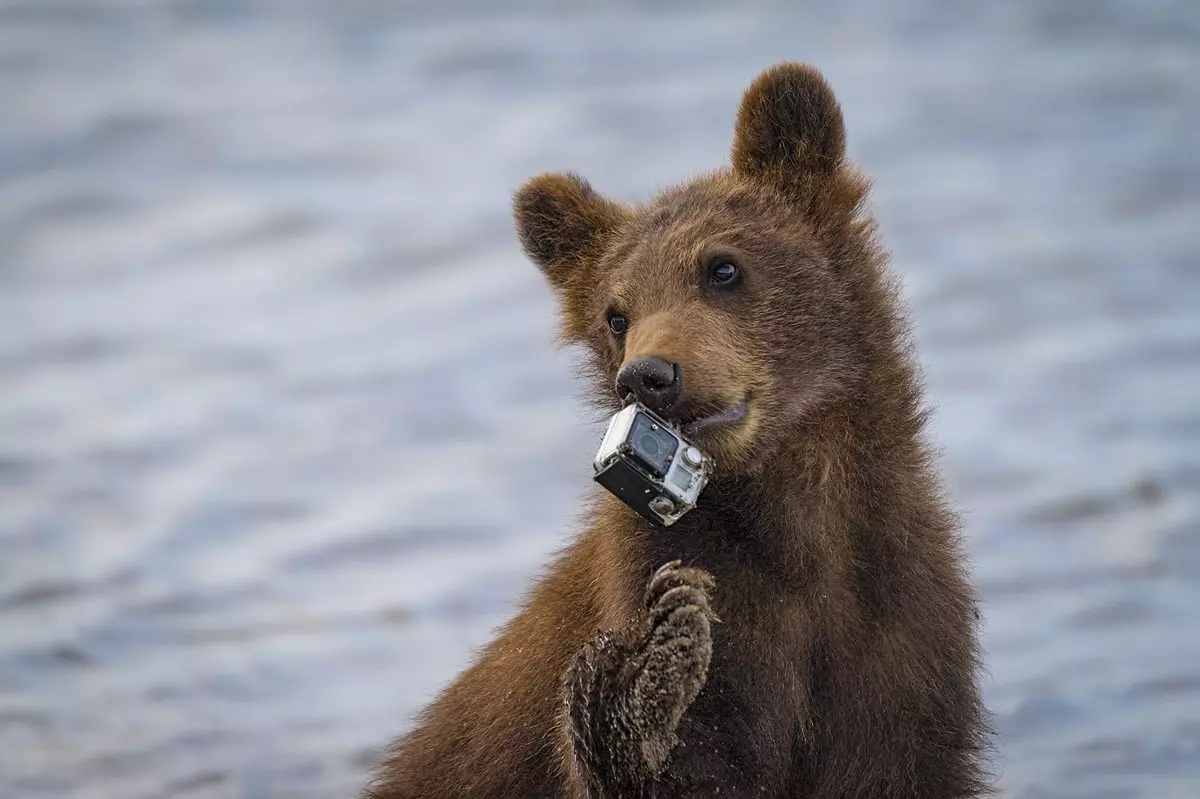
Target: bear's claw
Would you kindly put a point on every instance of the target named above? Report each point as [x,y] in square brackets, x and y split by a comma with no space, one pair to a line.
[674,574]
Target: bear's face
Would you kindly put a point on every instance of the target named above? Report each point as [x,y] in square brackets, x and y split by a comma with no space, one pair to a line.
[721,304]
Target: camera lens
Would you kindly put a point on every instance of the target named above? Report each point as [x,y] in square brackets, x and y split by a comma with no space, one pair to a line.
[653,444]
[650,445]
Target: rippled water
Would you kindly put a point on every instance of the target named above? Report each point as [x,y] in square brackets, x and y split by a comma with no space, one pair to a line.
[282,434]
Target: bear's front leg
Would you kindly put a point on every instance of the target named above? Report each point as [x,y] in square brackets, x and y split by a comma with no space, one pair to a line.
[626,692]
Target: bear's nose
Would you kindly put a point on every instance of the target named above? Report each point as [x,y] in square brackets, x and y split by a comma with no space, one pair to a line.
[653,381]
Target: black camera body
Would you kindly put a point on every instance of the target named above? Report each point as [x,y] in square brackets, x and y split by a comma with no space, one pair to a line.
[650,466]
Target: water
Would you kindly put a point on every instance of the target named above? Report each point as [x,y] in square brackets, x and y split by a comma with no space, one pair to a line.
[283,435]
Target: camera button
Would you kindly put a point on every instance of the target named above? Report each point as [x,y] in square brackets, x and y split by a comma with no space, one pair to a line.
[662,505]
[693,456]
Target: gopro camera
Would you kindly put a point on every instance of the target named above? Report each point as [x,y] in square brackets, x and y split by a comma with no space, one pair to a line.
[650,466]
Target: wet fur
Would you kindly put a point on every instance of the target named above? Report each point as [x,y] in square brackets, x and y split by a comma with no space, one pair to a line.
[845,658]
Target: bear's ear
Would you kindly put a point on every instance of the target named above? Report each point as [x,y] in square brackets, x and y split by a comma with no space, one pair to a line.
[562,223]
[789,126]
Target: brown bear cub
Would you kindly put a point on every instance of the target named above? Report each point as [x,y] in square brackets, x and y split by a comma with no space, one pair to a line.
[808,630]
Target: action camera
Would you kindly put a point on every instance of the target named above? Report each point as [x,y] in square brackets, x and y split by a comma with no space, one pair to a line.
[650,467]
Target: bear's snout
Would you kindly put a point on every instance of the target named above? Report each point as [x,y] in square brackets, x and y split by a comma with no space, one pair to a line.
[651,380]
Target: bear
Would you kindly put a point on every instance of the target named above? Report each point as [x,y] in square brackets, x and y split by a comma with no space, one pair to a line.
[809,628]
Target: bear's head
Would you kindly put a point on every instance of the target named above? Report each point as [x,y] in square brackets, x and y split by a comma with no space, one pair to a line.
[738,305]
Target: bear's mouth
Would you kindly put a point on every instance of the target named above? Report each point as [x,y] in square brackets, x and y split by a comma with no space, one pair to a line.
[730,415]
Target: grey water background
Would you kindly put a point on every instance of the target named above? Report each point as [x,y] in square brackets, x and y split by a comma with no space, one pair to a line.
[283,435]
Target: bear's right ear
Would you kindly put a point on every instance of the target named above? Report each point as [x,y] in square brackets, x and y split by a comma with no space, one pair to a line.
[563,223]
[789,126]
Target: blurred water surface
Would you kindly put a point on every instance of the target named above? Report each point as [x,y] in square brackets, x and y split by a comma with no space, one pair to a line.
[283,435]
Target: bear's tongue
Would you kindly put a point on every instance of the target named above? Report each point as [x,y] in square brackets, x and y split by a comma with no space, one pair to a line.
[731,415]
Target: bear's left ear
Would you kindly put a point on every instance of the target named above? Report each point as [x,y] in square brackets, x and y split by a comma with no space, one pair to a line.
[564,224]
[789,126]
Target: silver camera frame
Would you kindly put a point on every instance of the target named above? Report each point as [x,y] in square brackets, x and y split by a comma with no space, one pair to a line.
[661,500]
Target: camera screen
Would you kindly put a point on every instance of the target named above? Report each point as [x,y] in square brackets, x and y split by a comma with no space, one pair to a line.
[652,444]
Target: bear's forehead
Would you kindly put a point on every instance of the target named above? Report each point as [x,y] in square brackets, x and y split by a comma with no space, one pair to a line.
[666,241]
[715,200]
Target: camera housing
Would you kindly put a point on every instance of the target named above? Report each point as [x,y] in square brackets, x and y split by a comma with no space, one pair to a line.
[650,466]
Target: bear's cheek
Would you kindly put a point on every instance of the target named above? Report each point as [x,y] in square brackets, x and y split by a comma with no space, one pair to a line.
[599,368]
[740,449]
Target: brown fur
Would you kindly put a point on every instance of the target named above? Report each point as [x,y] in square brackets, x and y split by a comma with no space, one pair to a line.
[844,661]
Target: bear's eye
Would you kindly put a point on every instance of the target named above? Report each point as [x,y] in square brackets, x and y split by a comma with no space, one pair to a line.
[617,324]
[724,273]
